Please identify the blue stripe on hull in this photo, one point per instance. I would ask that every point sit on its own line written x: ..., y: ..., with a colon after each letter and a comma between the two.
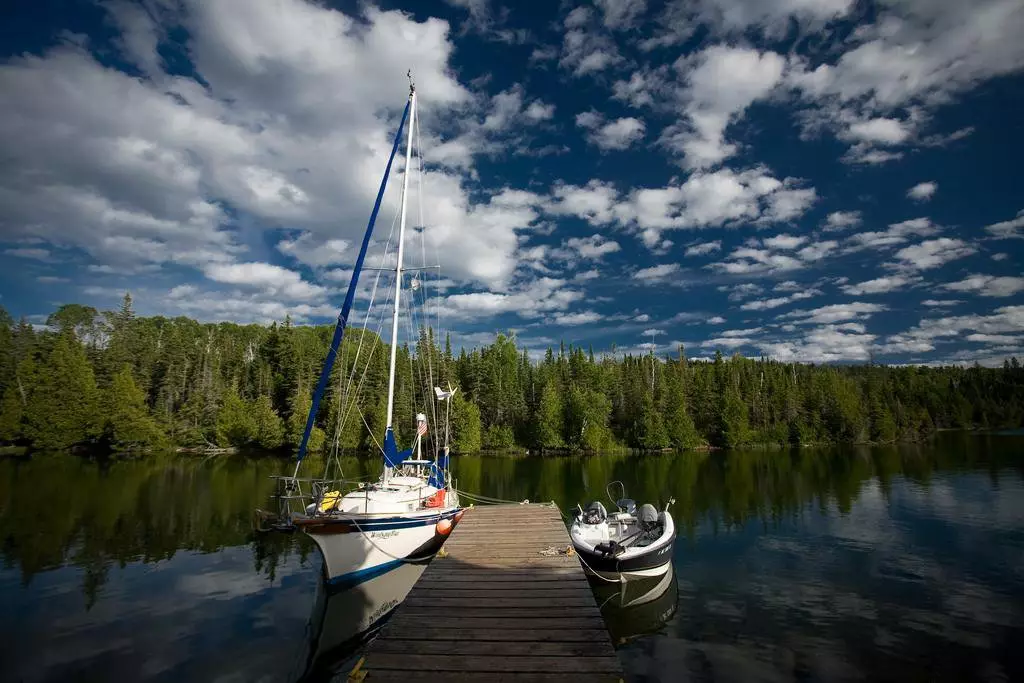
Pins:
x: 389, y: 522
x: 361, y: 575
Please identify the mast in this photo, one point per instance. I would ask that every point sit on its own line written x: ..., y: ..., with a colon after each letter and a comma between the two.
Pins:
x: 401, y: 254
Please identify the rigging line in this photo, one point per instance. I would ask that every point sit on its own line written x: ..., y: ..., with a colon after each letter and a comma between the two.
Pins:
x: 342, y: 322
x: 369, y: 306
x: 362, y: 335
x: 430, y: 398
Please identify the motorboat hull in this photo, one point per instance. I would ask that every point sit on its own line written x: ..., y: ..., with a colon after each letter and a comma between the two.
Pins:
x: 655, y: 561
x: 356, y: 548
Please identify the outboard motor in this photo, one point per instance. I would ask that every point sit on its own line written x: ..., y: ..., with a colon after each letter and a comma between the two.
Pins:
x: 648, y: 517
x: 595, y: 513
x: 627, y: 505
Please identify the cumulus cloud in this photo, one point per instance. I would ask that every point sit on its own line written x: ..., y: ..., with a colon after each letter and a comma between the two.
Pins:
x: 842, y: 220
x: 922, y: 192
x: 721, y: 82
x: 1011, y: 229
x: 835, y: 313
x: 618, y: 134
x: 933, y: 253
x: 657, y: 273
x: 988, y: 285
x: 703, y: 248
x: 881, y: 285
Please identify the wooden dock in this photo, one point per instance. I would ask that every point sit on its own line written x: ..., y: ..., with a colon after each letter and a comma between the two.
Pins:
x: 498, y: 608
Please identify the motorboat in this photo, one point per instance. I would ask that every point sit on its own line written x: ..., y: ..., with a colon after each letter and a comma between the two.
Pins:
x: 630, y: 542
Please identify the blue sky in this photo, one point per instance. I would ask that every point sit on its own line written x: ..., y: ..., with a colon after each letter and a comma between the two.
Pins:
x: 813, y: 181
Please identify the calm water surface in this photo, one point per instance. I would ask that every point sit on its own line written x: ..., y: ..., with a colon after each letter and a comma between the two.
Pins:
x: 892, y: 563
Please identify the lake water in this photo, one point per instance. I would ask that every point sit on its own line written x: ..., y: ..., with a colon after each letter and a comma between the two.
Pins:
x: 888, y: 563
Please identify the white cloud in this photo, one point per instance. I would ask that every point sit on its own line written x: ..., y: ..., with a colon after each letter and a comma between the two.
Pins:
x: 305, y: 249
x: 1001, y: 256
x: 920, y: 338
x: 539, y: 111
x: 716, y: 320
x: 775, y: 302
x: 897, y: 233
x: 722, y: 197
x: 741, y: 291
x: 933, y: 253
x: 988, y: 285
x: 789, y: 286
x: 582, y: 318
x: 618, y: 134
x: 593, y: 202
x: 721, y: 82
x: 144, y: 167
x: 922, y: 192
x: 749, y: 259
x: 592, y: 274
x: 879, y: 285
x: 914, y: 57
x: 703, y: 248
x: 653, y: 332
x: 657, y: 273
x: 823, y: 344
x: 1011, y: 229
x: 274, y: 280
x: 835, y: 313
x: 585, y: 48
x: 882, y: 131
x: 29, y: 253
x: 532, y: 299
x: 941, y: 303
x: 786, y: 242
x: 841, y: 220
x: 591, y: 248
x: 726, y: 342
x: 993, y: 338
x: 621, y: 14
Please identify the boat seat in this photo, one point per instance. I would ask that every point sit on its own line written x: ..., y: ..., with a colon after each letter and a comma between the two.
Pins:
x: 595, y: 513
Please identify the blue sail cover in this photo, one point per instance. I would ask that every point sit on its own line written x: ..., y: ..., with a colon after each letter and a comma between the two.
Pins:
x: 392, y: 458
x: 437, y: 470
x: 339, y: 328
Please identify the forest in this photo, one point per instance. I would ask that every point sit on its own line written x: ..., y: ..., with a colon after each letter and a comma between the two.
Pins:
x: 114, y: 381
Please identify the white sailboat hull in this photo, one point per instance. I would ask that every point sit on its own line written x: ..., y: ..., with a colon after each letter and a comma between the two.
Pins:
x: 356, y: 548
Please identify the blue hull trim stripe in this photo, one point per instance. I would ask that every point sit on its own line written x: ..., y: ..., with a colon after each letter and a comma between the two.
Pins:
x: 357, y: 577
x: 390, y: 522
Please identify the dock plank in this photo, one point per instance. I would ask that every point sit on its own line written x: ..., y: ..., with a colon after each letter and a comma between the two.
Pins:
x: 499, y: 608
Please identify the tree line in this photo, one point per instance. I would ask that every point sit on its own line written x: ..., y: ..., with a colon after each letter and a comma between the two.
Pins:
x: 114, y: 380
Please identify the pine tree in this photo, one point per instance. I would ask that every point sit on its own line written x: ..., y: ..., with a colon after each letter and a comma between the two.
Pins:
x: 129, y: 426
x: 549, y: 420
x: 11, y: 414
x: 465, y: 425
x: 63, y: 409
x: 236, y: 425
x: 269, y: 432
x: 735, y: 428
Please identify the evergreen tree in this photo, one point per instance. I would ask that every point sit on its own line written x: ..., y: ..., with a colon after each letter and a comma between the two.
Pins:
x: 63, y: 408
x: 735, y: 428
x: 11, y: 414
x: 269, y: 429
x: 465, y: 425
x: 549, y: 420
x: 129, y: 426
x: 236, y: 424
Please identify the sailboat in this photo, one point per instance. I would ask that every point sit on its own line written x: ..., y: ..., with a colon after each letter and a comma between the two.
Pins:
x: 406, y: 516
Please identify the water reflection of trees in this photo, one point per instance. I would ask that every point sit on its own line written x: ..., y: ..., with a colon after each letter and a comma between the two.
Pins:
x: 58, y: 510
x: 729, y: 489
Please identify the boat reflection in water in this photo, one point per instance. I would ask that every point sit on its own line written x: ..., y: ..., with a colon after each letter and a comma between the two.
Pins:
x: 638, y: 607
x: 346, y: 619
